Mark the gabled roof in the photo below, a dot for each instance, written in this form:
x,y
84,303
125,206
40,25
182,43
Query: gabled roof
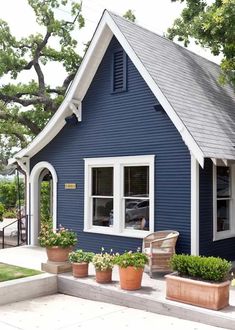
x,y
184,83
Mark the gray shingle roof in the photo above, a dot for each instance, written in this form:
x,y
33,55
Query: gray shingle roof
x,y
190,84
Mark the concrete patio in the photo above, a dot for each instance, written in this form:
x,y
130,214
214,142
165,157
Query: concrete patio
x,y
151,297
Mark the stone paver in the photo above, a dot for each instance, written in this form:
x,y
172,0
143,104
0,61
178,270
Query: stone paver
x,y
61,312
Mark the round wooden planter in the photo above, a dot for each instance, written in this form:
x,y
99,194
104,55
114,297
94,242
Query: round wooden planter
x,y
58,254
130,278
80,269
103,276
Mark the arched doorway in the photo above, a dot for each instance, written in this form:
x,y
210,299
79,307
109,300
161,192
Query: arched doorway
x,y
40,172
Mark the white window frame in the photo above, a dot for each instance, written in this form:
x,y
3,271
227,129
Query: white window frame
x,y
118,164
219,235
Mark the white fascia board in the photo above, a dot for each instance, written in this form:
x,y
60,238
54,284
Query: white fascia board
x,y
52,128
77,90
91,61
186,136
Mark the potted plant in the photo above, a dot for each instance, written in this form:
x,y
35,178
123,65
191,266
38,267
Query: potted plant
x,y
131,267
103,263
58,243
200,281
80,261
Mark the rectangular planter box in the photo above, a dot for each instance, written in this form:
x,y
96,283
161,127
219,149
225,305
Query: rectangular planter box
x,y
198,293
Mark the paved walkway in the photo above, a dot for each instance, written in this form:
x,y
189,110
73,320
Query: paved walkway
x,y
62,312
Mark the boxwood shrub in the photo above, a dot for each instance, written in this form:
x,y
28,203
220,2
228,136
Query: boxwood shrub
x,y
203,268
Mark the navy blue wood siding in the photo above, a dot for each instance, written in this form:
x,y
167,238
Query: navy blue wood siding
x,y
223,248
122,124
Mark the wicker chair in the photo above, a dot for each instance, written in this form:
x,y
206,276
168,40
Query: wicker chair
x,y
159,247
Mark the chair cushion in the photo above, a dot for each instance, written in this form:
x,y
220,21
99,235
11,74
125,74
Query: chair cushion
x,y
165,244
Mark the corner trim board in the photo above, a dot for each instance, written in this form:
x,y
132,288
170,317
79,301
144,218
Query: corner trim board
x,y
194,206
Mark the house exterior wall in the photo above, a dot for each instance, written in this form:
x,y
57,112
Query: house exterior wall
x,y
121,124
222,248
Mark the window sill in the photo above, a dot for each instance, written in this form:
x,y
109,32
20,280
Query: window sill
x,y
223,236
125,233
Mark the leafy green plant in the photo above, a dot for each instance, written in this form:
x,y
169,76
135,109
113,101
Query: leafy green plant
x,y
2,210
135,259
103,261
79,256
60,237
205,268
9,214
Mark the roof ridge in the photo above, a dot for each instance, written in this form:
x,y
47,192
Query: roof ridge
x,y
163,37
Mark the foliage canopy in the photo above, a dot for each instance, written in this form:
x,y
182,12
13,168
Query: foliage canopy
x,y
212,26
25,107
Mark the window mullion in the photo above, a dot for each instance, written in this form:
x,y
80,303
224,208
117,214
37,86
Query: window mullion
x,y
117,198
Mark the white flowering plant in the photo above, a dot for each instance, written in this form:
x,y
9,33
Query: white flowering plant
x,y
103,261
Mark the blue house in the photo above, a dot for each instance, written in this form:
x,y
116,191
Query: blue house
x,y
144,141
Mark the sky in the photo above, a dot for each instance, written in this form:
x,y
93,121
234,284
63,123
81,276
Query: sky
x,y
155,15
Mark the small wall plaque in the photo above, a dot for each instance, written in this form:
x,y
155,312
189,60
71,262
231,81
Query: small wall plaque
x,y
70,186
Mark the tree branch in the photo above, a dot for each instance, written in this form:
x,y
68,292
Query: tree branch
x,y
21,119
68,80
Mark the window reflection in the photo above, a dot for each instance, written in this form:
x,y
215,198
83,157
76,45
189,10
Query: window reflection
x,y
137,214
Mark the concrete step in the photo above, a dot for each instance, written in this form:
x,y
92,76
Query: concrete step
x,y
148,298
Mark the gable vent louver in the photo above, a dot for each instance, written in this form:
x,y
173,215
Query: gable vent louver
x,y
119,71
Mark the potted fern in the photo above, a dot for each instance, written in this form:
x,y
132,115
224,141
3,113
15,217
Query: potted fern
x,y
200,281
80,262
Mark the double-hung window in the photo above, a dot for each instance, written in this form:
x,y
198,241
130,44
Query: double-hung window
x,y
224,224
119,195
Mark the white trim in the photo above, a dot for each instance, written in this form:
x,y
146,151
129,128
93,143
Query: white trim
x,y
34,207
78,89
226,233
118,164
24,163
104,32
194,206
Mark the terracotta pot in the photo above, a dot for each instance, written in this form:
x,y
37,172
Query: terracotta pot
x,y
58,254
199,293
130,278
80,269
103,276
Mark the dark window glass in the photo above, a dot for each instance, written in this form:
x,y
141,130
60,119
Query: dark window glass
x,y
102,181
102,212
136,181
223,215
223,181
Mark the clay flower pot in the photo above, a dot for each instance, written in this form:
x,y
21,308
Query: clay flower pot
x,y
104,276
58,254
130,278
80,269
